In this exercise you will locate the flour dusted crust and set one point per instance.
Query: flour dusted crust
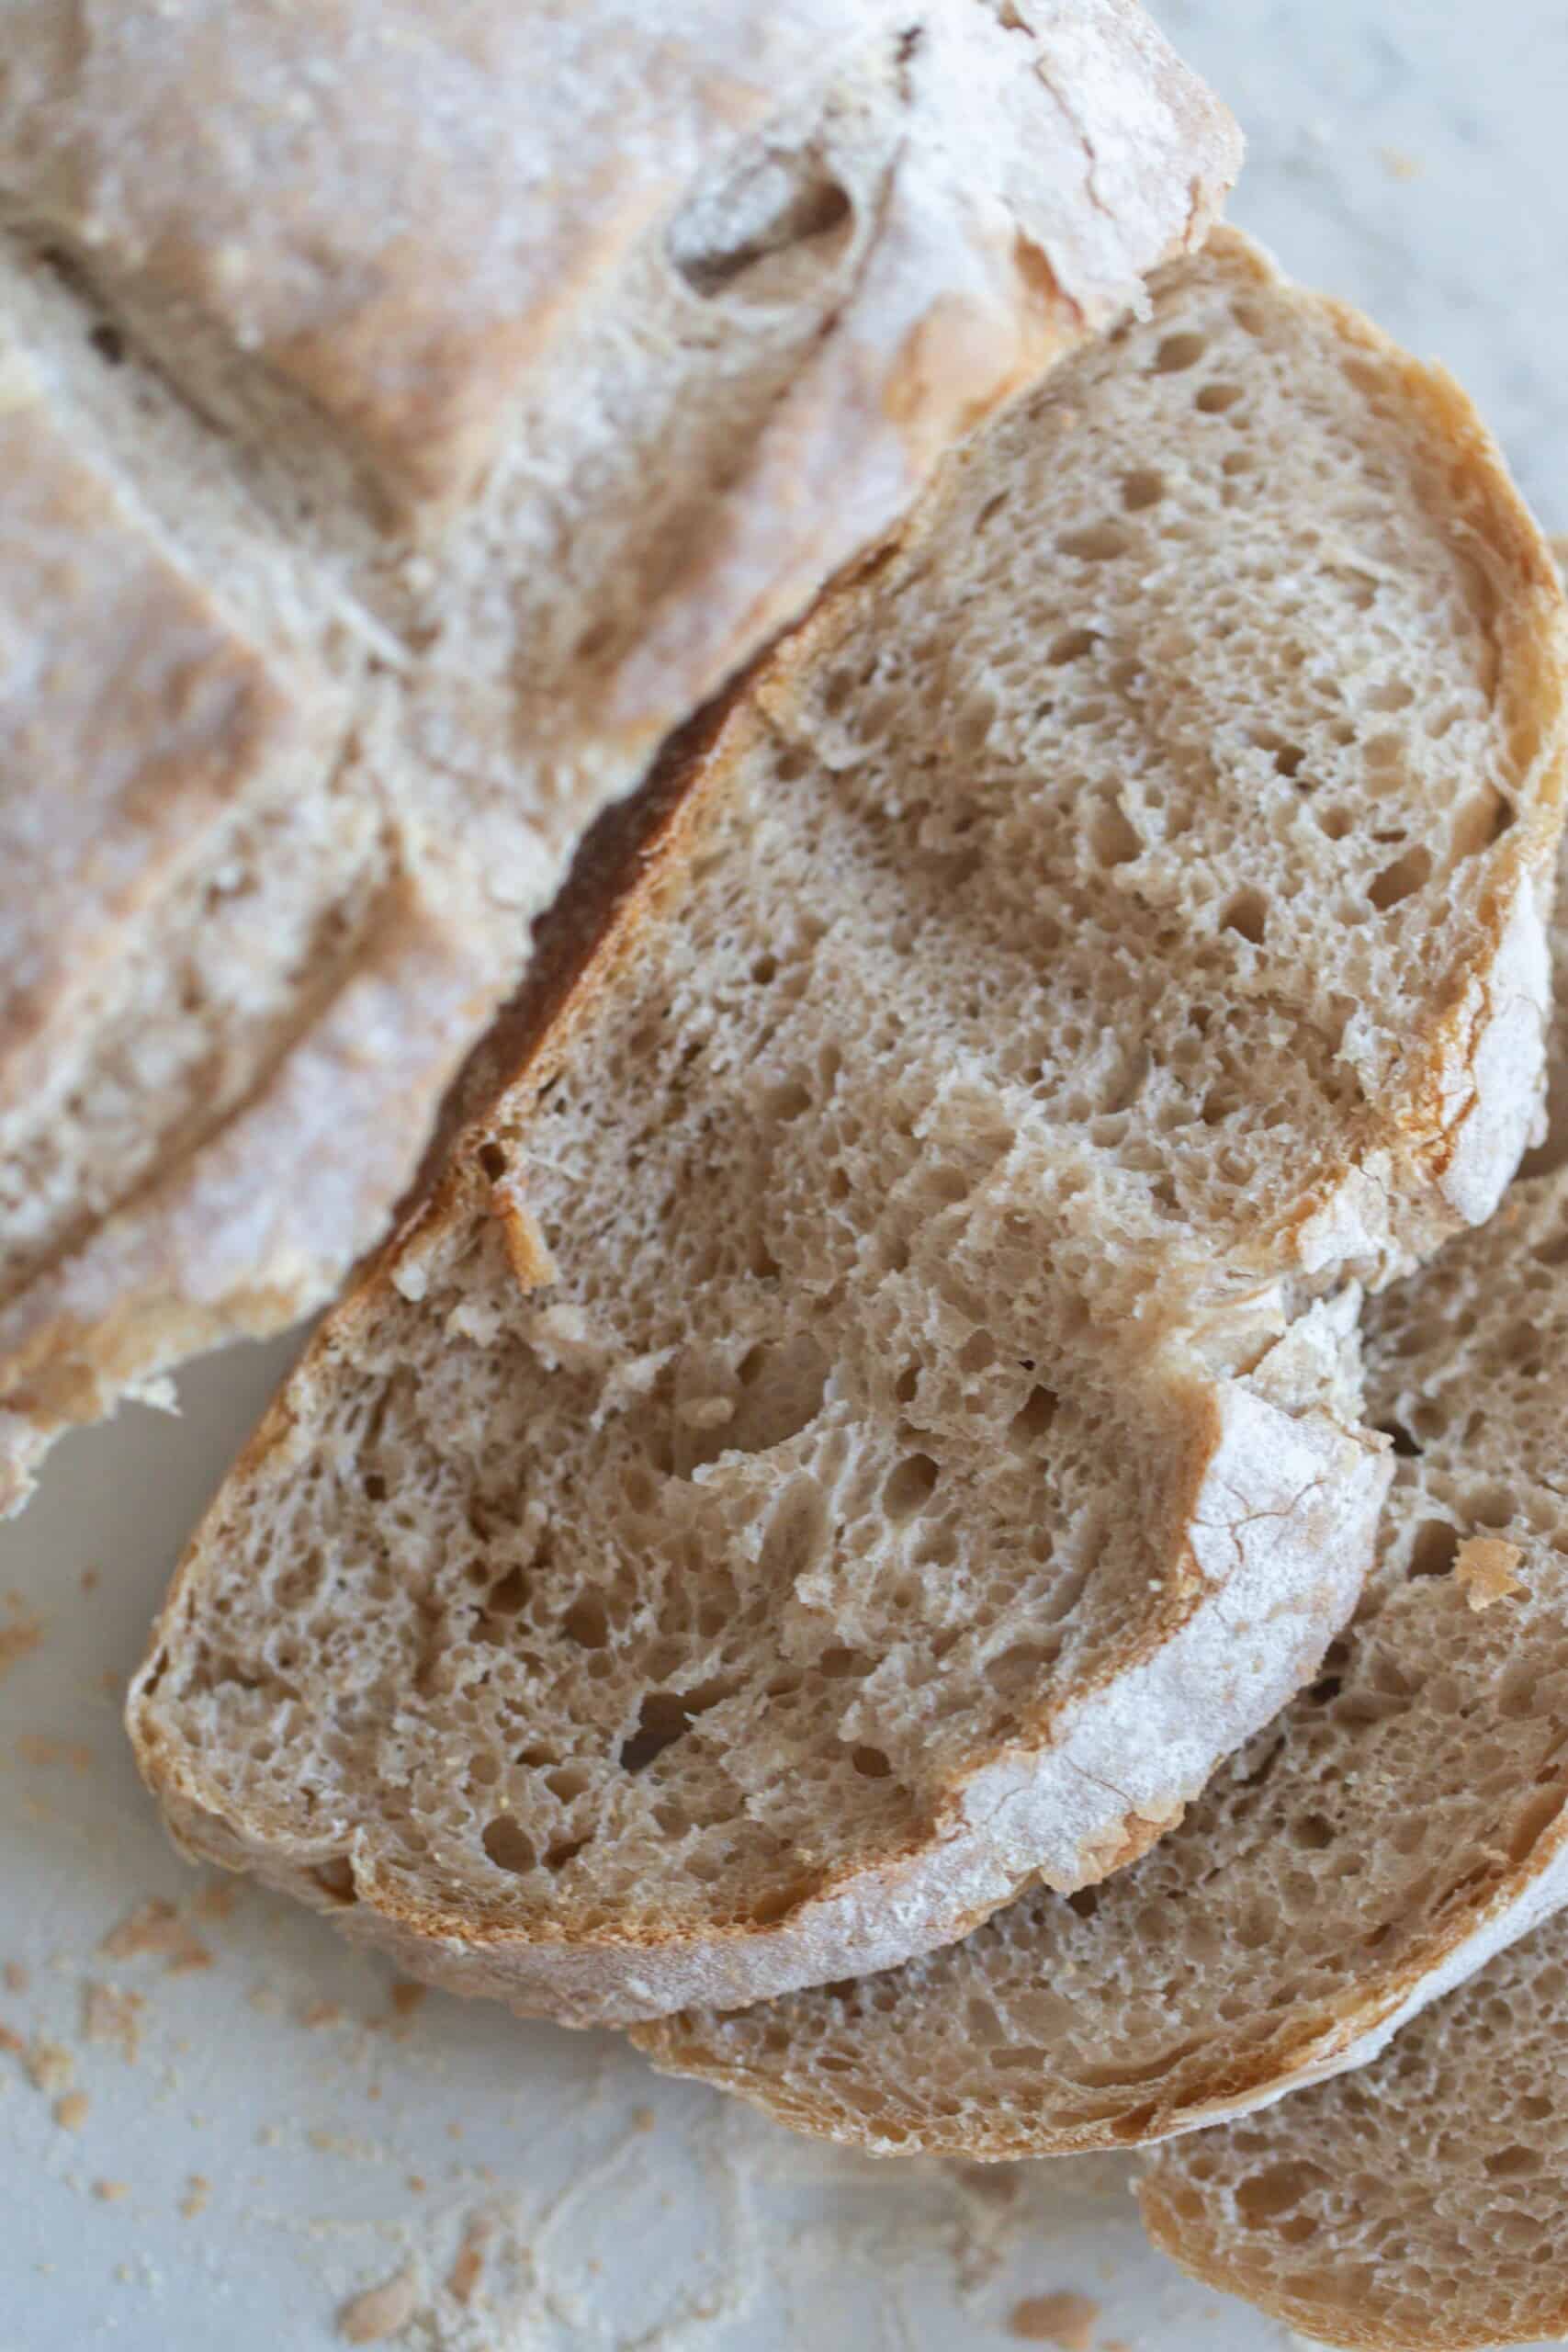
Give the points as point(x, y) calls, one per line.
point(859, 1373)
point(470, 390)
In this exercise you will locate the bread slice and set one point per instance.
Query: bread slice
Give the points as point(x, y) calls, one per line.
point(852, 1430)
point(407, 417)
point(1414, 2206)
point(1404, 1819)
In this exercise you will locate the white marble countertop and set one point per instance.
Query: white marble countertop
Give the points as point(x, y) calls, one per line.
point(270, 2133)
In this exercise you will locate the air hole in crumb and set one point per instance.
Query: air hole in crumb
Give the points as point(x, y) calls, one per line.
point(108, 343)
point(507, 1847)
point(1072, 648)
point(1434, 1549)
point(1404, 1445)
point(662, 1719)
point(837, 1662)
point(1402, 878)
point(871, 1763)
point(1315, 1832)
point(506, 1598)
point(567, 1781)
point(1288, 759)
point(1177, 352)
point(493, 1159)
point(336, 1878)
point(1112, 839)
point(1335, 822)
point(765, 969)
point(1098, 543)
point(1214, 399)
point(1033, 1420)
point(1141, 488)
point(906, 1385)
point(374, 1487)
point(587, 1622)
point(1086, 1902)
point(1248, 914)
point(910, 1485)
point(565, 1850)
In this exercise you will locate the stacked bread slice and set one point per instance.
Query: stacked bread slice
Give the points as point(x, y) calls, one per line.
point(869, 1417)
point(407, 416)
point(1402, 1821)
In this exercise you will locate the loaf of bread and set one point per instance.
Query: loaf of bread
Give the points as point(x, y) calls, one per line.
point(1403, 1821)
point(869, 1414)
point(407, 414)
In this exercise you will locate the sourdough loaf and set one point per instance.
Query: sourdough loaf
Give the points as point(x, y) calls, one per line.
point(406, 416)
point(869, 1415)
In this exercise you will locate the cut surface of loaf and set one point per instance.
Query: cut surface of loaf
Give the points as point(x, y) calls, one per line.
point(1403, 1820)
point(406, 417)
point(1414, 2207)
point(851, 1432)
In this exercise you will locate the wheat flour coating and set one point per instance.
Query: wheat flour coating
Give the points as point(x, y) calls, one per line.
point(870, 1416)
point(1400, 1823)
point(409, 414)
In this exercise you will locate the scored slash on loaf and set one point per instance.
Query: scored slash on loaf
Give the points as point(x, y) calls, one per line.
point(869, 1414)
point(410, 415)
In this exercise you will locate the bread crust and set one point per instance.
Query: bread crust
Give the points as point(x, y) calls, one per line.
point(408, 369)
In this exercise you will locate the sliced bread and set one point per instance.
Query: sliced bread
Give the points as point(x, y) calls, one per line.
point(406, 417)
point(852, 1429)
point(1414, 2206)
point(1406, 1818)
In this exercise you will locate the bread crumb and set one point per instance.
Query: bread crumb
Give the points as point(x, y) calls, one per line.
point(380, 2312)
point(469, 2260)
point(195, 2199)
point(17, 1978)
point(156, 1927)
point(70, 2112)
point(418, 2183)
point(406, 1996)
point(109, 2192)
point(1483, 1569)
point(1065, 2319)
point(643, 2119)
point(113, 2016)
point(321, 2013)
point(36, 1748)
point(90, 1580)
point(216, 1901)
point(21, 1637)
point(1399, 165)
point(11, 2042)
point(52, 2067)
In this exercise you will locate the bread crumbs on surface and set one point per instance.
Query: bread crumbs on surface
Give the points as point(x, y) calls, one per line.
point(643, 2119)
point(217, 1902)
point(16, 1977)
point(21, 1637)
point(41, 1749)
point(321, 2013)
point(114, 2017)
point(109, 2192)
point(380, 2312)
point(156, 1926)
point(468, 2263)
point(52, 2067)
point(1400, 164)
point(70, 2112)
point(90, 1580)
point(198, 2195)
point(418, 2183)
point(1483, 1570)
point(406, 1996)
point(11, 2042)
point(1065, 2319)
